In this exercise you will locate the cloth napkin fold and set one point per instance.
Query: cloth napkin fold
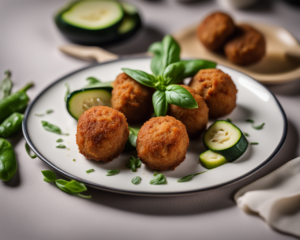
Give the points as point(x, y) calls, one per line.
point(275, 197)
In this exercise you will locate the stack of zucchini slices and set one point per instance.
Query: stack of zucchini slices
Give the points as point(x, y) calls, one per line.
point(98, 21)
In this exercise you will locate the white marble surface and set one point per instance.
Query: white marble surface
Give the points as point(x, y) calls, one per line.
point(31, 209)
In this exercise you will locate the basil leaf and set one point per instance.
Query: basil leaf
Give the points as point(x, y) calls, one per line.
point(59, 140)
point(156, 62)
point(141, 77)
point(49, 176)
point(134, 163)
point(259, 127)
point(179, 96)
point(136, 180)
point(90, 170)
point(178, 71)
point(67, 91)
point(171, 51)
point(160, 103)
point(133, 132)
point(138, 163)
point(6, 85)
point(189, 177)
point(112, 172)
point(158, 179)
point(49, 111)
point(92, 81)
point(250, 120)
point(51, 128)
point(61, 146)
point(60, 183)
point(28, 150)
point(75, 187)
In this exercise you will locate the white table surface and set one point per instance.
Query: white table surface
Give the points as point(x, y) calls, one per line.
point(31, 209)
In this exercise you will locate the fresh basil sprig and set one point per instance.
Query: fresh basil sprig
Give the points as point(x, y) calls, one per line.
point(189, 177)
point(134, 163)
point(158, 179)
point(5, 85)
point(72, 187)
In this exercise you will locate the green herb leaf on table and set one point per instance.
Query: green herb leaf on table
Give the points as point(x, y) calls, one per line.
point(28, 150)
point(136, 180)
point(6, 85)
point(61, 146)
point(254, 143)
point(181, 97)
point(189, 177)
point(59, 140)
point(158, 179)
point(141, 77)
point(112, 172)
point(259, 127)
point(90, 170)
point(160, 103)
point(133, 132)
point(49, 176)
point(52, 128)
point(67, 91)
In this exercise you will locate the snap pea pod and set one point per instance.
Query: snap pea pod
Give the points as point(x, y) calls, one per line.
point(11, 125)
point(8, 162)
point(16, 102)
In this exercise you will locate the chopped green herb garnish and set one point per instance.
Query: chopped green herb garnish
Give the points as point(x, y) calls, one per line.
point(39, 114)
point(59, 140)
point(61, 146)
point(112, 172)
point(246, 134)
point(259, 127)
point(250, 120)
point(52, 128)
point(90, 170)
point(74, 160)
point(134, 163)
point(49, 111)
point(189, 177)
point(92, 81)
point(28, 150)
point(67, 91)
point(136, 180)
point(254, 143)
point(72, 187)
point(158, 179)
point(228, 120)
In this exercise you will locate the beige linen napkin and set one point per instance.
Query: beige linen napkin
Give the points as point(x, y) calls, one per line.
point(275, 197)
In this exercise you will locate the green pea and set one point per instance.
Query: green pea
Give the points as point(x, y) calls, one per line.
point(8, 162)
point(11, 125)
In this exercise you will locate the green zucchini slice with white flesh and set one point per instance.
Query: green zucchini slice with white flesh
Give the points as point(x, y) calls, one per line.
point(210, 159)
point(81, 100)
point(226, 139)
point(94, 15)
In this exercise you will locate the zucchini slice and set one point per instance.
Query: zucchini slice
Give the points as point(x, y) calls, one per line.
point(226, 139)
point(210, 159)
point(81, 100)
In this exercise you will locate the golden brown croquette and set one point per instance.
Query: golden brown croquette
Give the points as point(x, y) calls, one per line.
point(132, 99)
point(217, 89)
point(162, 143)
point(247, 47)
point(102, 133)
point(195, 120)
point(215, 30)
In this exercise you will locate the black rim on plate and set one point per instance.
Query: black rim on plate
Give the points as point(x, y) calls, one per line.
point(139, 193)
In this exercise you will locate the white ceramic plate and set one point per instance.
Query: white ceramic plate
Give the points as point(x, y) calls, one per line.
point(254, 101)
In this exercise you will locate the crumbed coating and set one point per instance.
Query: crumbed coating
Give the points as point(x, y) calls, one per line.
point(215, 30)
point(132, 99)
point(247, 47)
point(195, 120)
point(217, 89)
point(102, 133)
point(162, 143)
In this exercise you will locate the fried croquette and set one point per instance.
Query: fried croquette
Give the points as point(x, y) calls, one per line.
point(132, 99)
point(195, 120)
point(217, 89)
point(162, 143)
point(102, 133)
point(247, 47)
point(215, 30)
